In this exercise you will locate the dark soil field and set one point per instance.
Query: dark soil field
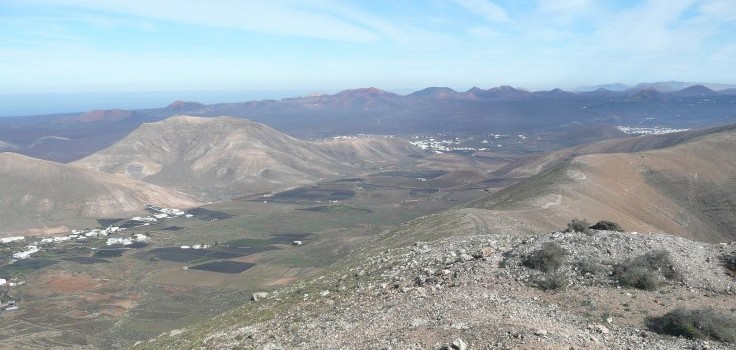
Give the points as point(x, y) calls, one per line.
point(23, 267)
point(86, 260)
point(226, 266)
point(208, 215)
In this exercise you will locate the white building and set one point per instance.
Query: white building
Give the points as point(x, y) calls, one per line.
point(11, 239)
point(119, 240)
point(3, 281)
point(26, 254)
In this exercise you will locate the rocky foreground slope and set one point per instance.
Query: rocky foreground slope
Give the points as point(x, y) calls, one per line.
point(559, 290)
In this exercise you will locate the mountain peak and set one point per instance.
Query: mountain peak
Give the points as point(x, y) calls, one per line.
point(646, 94)
point(434, 92)
point(695, 90)
point(370, 91)
point(99, 115)
point(180, 105)
point(505, 88)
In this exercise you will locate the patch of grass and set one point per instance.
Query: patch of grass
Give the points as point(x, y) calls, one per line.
point(703, 323)
point(547, 259)
point(337, 209)
point(247, 242)
point(647, 271)
point(578, 226)
point(604, 225)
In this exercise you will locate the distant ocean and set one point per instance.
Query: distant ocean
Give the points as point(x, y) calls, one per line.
point(22, 104)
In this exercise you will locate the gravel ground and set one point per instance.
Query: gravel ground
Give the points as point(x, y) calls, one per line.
point(476, 293)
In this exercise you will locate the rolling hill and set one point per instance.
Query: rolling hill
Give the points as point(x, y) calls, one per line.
point(227, 157)
point(679, 183)
point(44, 197)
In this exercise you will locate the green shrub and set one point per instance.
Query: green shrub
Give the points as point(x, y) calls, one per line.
point(552, 281)
point(588, 266)
point(729, 263)
point(548, 258)
point(578, 226)
point(645, 272)
point(607, 226)
point(696, 324)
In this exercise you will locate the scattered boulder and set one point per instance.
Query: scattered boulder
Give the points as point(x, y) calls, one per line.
point(458, 344)
point(484, 252)
point(599, 328)
point(258, 296)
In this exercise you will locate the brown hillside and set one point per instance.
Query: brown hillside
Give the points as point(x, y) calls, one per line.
point(688, 189)
point(41, 194)
point(225, 157)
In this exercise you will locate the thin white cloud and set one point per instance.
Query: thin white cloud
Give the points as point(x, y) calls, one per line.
point(719, 10)
point(483, 32)
point(566, 11)
point(652, 26)
point(486, 9)
point(390, 28)
point(562, 6)
point(271, 17)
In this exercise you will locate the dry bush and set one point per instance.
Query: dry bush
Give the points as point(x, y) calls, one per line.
point(696, 324)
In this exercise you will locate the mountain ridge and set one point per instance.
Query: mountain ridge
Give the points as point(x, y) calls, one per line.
point(234, 157)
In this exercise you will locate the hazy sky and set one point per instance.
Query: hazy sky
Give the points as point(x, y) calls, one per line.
point(112, 45)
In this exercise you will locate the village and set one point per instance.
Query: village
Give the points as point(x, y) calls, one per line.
point(641, 131)
point(440, 143)
point(24, 250)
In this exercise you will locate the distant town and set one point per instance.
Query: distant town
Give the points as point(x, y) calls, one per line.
point(24, 250)
point(641, 131)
